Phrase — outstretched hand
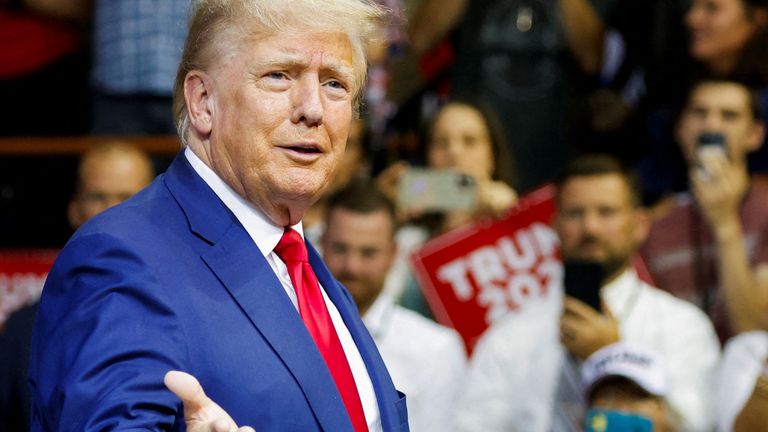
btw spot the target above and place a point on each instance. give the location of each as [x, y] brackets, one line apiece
[200, 413]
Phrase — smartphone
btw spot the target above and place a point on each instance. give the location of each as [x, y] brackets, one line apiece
[601, 420]
[582, 280]
[711, 142]
[433, 190]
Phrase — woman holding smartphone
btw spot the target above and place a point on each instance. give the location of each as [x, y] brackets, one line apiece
[462, 140]
[465, 139]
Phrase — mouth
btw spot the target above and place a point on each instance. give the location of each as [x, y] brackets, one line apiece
[697, 37]
[306, 148]
[302, 152]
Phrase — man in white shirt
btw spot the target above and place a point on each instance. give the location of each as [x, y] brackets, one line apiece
[425, 359]
[524, 372]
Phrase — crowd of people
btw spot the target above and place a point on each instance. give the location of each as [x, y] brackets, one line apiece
[199, 304]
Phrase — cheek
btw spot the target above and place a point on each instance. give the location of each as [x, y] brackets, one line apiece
[733, 30]
[686, 138]
[485, 159]
[436, 158]
[569, 235]
[338, 120]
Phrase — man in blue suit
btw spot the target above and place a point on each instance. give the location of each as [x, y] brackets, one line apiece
[206, 271]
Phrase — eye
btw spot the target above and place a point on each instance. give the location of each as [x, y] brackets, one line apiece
[336, 84]
[336, 88]
[470, 141]
[573, 213]
[338, 248]
[607, 211]
[730, 115]
[698, 111]
[276, 75]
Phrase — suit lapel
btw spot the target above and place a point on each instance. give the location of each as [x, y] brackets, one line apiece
[246, 275]
[208, 217]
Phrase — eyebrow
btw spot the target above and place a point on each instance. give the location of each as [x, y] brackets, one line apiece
[290, 58]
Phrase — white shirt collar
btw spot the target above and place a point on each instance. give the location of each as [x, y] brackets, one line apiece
[621, 293]
[378, 315]
[264, 233]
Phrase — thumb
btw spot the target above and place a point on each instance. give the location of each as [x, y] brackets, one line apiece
[188, 389]
[605, 309]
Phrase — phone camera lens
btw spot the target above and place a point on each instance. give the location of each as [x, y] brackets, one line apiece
[465, 181]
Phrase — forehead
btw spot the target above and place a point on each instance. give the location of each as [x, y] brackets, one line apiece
[731, 95]
[459, 117]
[600, 189]
[348, 224]
[329, 50]
[721, 4]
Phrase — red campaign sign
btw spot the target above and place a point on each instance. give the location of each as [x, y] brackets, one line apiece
[477, 274]
[22, 276]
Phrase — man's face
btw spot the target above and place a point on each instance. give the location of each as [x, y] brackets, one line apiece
[107, 180]
[723, 108]
[596, 220]
[279, 111]
[358, 249]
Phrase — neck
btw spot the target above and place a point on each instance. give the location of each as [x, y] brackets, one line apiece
[615, 274]
[723, 65]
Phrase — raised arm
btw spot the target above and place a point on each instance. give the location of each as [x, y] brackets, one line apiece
[584, 32]
[432, 21]
[720, 194]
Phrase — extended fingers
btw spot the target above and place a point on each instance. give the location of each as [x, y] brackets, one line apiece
[188, 389]
[577, 308]
[497, 197]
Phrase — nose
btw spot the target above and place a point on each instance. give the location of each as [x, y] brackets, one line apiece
[713, 121]
[591, 223]
[451, 154]
[307, 101]
[353, 263]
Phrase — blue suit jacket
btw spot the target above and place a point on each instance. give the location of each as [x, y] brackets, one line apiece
[171, 280]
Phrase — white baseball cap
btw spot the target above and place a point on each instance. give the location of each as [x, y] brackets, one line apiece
[640, 366]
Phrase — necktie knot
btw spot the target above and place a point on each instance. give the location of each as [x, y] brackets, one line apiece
[291, 247]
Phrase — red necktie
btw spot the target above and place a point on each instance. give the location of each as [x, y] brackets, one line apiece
[293, 252]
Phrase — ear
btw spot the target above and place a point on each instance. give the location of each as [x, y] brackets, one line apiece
[756, 136]
[392, 252]
[73, 214]
[198, 94]
[643, 221]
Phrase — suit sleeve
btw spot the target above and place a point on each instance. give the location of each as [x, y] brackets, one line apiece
[106, 334]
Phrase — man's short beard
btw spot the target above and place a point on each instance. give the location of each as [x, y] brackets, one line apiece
[613, 266]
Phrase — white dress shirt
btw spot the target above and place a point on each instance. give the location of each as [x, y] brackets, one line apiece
[427, 362]
[266, 235]
[743, 362]
[516, 366]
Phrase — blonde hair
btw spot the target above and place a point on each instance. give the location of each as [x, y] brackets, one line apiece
[212, 20]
